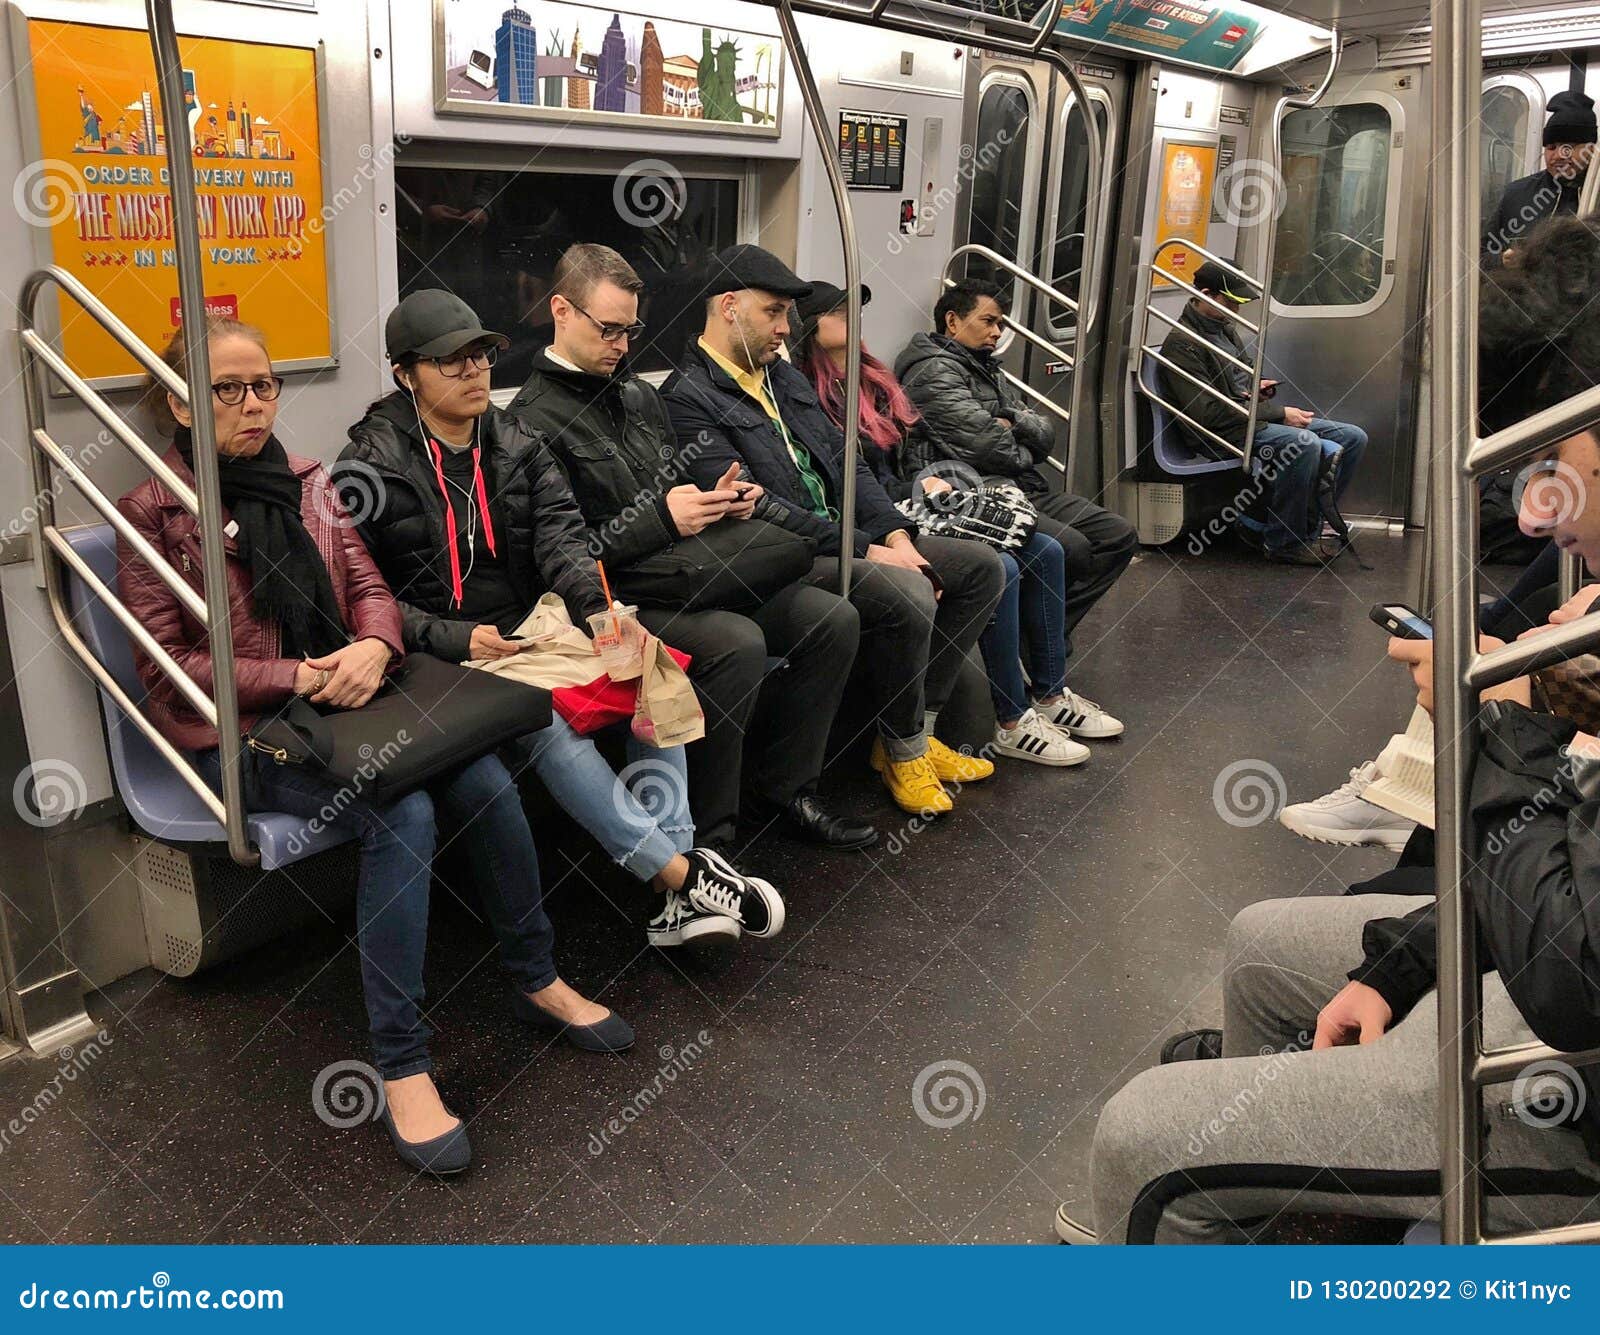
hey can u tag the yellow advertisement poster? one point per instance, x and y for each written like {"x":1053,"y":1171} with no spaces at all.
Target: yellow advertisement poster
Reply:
{"x":1183,"y":207}
{"x":99,"y":186}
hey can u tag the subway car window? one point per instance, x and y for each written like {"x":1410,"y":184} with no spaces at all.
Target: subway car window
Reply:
{"x":1066,"y":260}
{"x":493,"y":238}
{"x":1331,"y":235}
{"x":1504,"y":142}
{"x":1000,"y":156}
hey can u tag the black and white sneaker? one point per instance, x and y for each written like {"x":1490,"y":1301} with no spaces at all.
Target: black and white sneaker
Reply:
{"x":713,"y":886}
{"x":679,"y":922}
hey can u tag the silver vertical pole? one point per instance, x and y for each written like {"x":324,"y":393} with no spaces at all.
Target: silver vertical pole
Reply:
{"x":1457,"y":74}
{"x":192,"y":304}
{"x":827,"y":143}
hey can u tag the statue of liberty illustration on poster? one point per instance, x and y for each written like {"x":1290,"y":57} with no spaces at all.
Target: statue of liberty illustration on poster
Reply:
{"x":547,"y":59}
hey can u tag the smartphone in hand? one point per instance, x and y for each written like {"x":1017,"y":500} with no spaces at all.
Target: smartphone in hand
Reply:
{"x":1401,"y":621}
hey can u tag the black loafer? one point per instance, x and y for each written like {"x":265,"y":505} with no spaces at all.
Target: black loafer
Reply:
{"x":443,"y":1156}
{"x":612,"y":1034}
{"x":1195,"y":1045}
{"x":806,"y":818}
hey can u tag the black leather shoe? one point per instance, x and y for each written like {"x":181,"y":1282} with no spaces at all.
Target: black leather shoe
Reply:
{"x":806,"y":818}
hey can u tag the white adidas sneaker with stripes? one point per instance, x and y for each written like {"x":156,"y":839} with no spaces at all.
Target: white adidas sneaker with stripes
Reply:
{"x":1032,"y":738}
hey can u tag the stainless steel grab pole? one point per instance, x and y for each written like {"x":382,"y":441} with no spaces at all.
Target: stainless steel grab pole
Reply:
{"x":1453,"y":323}
{"x":852,"y":286}
{"x":192,"y":304}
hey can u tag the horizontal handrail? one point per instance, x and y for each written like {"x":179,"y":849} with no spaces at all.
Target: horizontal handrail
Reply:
{"x":102,"y":315}
{"x":1215,"y":393}
{"x":1213,"y":257}
{"x":1177,"y":323}
{"x":1231,"y":312}
{"x":181,"y":587}
{"x":1189,"y":421}
{"x":1521,"y":657}
{"x":1501,"y":1064}
{"x":1545,"y":428}
{"x":1044,"y":399}
{"x":1016,"y":270}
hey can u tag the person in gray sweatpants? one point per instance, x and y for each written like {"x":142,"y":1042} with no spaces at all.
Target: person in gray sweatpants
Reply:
{"x":1211,"y":1151}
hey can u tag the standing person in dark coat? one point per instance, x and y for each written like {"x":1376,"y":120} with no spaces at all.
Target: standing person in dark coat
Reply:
{"x":1569,"y":139}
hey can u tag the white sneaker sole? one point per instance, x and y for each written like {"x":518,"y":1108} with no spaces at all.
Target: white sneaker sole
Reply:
{"x":765,"y":889}
{"x":1016,"y":753}
{"x":1069,"y":1230}
{"x":715,"y":925}
{"x":1394,"y":839}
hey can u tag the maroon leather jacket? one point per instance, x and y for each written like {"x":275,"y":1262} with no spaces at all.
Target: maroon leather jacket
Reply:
{"x":266,"y":679}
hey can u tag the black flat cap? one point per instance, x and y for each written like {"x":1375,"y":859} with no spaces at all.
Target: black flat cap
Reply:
{"x":741,"y":267}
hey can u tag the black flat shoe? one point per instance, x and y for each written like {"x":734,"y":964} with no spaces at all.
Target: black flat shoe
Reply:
{"x":612,"y":1034}
{"x":1193,"y":1046}
{"x":443,"y":1156}
{"x":806,"y":818}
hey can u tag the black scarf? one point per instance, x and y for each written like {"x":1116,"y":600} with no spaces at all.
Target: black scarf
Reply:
{"x":289,"y":579}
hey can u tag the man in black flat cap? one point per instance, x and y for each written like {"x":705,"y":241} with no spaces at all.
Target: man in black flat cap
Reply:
{"x":922,"y":601}
{"x":1569,"y":139}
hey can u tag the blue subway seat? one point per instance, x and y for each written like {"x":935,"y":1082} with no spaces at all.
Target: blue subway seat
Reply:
{"x":160,"y":802}
{"x":1170,"y":445}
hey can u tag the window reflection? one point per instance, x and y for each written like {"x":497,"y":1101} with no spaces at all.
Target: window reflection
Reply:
{"x":1504,"y":142}
{"x":1000,"y":154}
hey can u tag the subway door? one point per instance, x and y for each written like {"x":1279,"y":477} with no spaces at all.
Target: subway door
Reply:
{"x":1060,"y":251}
{"x":1347,"y":282}
{"x":1002,"y":154}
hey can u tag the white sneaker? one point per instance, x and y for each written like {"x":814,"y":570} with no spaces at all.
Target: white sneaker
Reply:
{"x":1345,"y":817}
{"x":680,"y":922}
{"x":1081,"y":717}
{"x":1033,"y":738}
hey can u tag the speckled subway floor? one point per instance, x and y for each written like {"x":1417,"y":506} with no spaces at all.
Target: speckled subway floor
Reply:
{"x":1047,"y":937}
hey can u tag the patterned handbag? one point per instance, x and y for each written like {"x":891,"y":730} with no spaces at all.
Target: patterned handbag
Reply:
{"x":996,"y":513}
{"x":1571,"y":690}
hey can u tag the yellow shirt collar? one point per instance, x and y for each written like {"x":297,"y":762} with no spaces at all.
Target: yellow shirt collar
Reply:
{"x":753,"y":383}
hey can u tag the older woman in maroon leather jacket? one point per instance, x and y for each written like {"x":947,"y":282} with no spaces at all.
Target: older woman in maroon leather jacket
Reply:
{"x":312,"y":616}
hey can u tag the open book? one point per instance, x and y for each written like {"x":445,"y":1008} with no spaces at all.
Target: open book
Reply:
{"x":1405,"y":772}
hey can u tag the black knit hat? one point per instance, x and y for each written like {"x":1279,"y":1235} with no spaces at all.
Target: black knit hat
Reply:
{"x":1572,"y":120}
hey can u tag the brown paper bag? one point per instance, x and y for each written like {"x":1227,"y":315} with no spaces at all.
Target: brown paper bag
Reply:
{"x":668,"y":712}
{"x":555,"y":652}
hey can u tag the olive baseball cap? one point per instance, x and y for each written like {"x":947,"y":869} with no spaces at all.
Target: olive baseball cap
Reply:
{"x":434,"y":323}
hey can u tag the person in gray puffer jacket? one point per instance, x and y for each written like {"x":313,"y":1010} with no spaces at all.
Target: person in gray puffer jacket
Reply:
{"x":953,"y":379}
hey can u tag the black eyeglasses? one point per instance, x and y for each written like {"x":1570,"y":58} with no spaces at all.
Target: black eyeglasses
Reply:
{"x":453,"y":368}
{"x":609,"y":333}
{"x":232,"y":392}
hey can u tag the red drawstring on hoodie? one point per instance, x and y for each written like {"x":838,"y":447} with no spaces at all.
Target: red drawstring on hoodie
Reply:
{"x":450,"y":513}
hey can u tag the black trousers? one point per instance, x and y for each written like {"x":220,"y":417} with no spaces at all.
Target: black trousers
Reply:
{"x":1098,"y":544}
{"x":912,"y":645}
{"x":773,"y":725}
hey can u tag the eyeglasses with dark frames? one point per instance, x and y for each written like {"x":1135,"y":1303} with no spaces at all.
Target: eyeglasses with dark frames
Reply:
{"x":232,"y":392}
{"x":609,"y":333}
{"x":454,"y":367}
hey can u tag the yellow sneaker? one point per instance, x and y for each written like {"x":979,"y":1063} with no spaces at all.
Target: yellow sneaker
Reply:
{"x":912,"y":783}
{"x":953,"y":767}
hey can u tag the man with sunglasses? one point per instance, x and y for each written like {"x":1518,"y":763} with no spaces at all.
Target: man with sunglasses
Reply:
{"x":1569,"y":140}
{"x":610,"y":434}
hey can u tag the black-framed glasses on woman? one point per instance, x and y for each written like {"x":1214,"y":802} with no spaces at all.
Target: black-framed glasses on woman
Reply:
{"x":454,"y":367}
{"x":609,"y":333}
{"x":231,"y":392}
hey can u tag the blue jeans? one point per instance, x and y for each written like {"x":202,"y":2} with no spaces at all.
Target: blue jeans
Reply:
{"x":397,"y":847}
{"x":1034,"y":601}
{"x":641,"y":817}
{"x":1291,"y":460}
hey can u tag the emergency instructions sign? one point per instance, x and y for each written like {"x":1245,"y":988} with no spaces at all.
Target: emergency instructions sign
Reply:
{"x":872,"y":150}
{"x":97,"y":187}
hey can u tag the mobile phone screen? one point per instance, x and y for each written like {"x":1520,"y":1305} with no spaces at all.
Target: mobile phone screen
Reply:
{"x":1419,"y":628}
